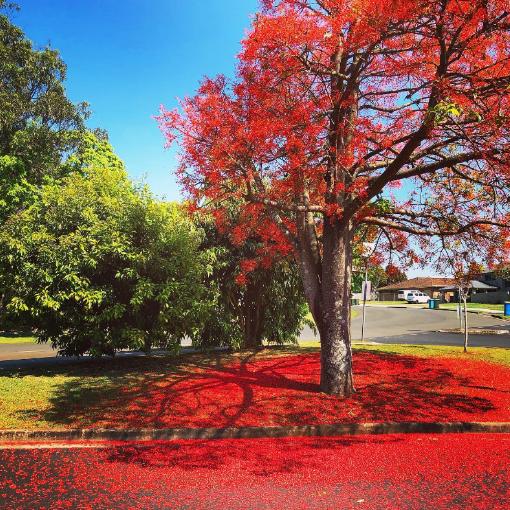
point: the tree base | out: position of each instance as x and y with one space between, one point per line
342 386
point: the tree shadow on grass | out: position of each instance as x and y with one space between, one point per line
412 388
252 389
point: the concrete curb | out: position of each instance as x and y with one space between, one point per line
341 429
476 331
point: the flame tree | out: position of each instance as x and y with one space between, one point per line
352 114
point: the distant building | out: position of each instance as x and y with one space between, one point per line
475 290
499 292
429 285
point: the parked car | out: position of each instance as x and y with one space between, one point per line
417 297
402 294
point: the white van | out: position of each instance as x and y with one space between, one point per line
417 297
402 294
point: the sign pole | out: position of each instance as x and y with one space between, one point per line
364 303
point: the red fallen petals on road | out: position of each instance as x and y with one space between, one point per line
404 472
284 390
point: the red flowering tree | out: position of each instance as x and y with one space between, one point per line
337 104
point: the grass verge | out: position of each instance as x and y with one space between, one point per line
276 386
7 337
386 303
472 306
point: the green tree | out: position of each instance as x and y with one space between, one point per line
376 275
97 264
251 297
39 125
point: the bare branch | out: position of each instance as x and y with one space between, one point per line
429 232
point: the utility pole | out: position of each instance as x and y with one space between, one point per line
370 247
459 308
364 302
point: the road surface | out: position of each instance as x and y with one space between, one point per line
384 472
393 324
383 325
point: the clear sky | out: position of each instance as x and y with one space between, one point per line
126 58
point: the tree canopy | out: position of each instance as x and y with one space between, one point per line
39 125
97 264
338 103
252 296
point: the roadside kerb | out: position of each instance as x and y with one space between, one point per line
168 434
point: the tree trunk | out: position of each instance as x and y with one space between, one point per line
251 319
335 334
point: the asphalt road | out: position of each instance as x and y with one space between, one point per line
383 325
404 472
420 326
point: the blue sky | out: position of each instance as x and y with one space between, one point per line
126 58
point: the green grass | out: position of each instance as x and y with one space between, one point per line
488 354
472 306
385 303
445 306
17 338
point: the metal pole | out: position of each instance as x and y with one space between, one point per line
460 308
364 304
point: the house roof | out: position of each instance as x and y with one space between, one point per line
419 283
474 284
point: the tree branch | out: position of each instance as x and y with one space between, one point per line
370 220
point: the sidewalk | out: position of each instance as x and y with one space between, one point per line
489 311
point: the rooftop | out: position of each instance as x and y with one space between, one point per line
474 284
419 283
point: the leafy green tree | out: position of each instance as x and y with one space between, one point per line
378 276
97 264
39 125
251 297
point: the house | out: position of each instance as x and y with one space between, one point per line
429 285
475 289
500 292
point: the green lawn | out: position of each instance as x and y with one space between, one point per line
445 306
16 338
490 355
472 306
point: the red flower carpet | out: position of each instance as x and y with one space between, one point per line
392 472
257 390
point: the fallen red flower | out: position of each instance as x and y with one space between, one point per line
284 390
404 472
